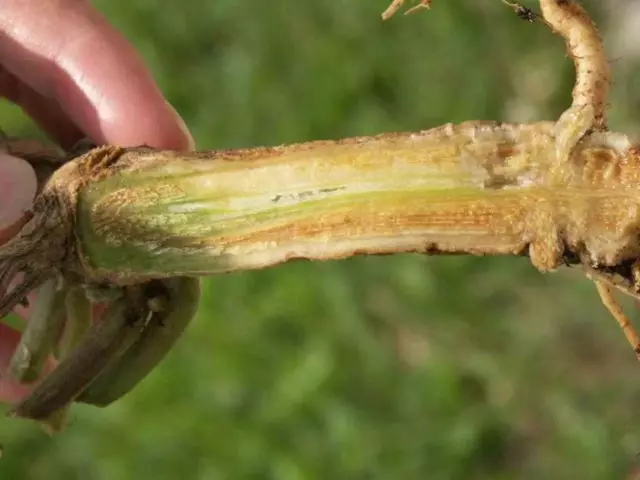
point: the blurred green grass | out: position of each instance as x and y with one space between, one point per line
402 367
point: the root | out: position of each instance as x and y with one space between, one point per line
593 73
609 301
397 4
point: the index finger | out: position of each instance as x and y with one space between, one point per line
66 51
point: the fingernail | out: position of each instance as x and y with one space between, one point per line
191 144
18 186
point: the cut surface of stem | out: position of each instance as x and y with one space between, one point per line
478 188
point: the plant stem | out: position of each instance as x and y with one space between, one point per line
478 188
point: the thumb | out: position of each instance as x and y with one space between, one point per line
18 186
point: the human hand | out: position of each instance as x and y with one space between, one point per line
77 77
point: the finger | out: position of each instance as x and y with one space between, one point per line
18 185
47 114
66 51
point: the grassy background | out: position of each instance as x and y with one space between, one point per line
401 367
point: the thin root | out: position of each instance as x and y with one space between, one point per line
397 4
523 12
609 301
